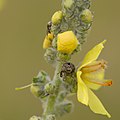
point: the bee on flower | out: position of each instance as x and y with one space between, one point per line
90 76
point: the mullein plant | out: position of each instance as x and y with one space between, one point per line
66 32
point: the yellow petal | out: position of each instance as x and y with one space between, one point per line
95 80
50 36
67 42
93 54
46 43
82 90
96 105
97 76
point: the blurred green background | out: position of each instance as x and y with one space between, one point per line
22 30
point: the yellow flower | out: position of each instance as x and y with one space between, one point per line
48 40
67 42
90 75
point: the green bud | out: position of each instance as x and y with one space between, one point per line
64 57
64 27
50 117
68 3
68 107
50 88
64 107
42 77
35 90
57 17
62 95
86 16
35 118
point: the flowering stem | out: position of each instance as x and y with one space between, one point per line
50 106
66 32
76 18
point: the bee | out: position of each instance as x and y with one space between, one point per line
68 69
49 37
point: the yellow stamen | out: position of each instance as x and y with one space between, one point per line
105 83
94 67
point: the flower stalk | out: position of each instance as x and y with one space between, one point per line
66 32
50 105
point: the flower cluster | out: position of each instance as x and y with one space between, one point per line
66 32
90 75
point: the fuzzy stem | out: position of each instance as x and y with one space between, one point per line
78 18
50 105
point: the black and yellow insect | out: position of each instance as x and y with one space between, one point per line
49 25
49 37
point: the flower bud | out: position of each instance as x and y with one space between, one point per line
86 16
41 78
68 107
35 90
48 41
67 42
64 57
50 117
57 17
49 88
68 3
35 118
64 107
62 95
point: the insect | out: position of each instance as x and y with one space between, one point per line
49 25
67 70
49 37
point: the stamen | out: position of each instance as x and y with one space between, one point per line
94 67
24 87
105 83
